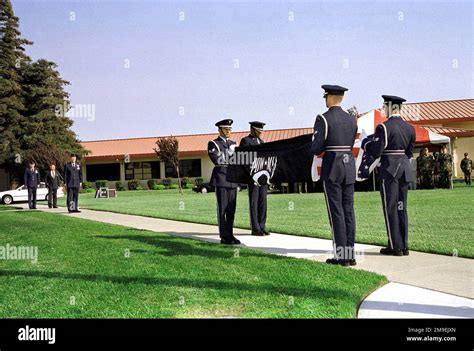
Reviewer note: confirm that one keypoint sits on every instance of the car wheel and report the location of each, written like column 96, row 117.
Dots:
column 7, row 200
column 203, row 190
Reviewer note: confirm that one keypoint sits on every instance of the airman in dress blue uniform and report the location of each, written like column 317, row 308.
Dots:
column 394, row 141
column 257, row 193
column 219, row 151
column 334, row 134
column 73, row 182
column 32, row 179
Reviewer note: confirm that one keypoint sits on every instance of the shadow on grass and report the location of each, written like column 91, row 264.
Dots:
column 175, row 246
column 314, row 292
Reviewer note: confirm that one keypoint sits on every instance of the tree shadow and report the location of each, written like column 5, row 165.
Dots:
column 313, row 292
column 175, row 246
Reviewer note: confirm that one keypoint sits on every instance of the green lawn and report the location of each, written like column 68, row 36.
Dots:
column 440, row 220
column 85, row 262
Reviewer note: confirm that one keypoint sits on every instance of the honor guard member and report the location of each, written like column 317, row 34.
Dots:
column 395, row 141
column 73, row 180
column 219, row 151
column 32, row 179
column 334, row 134
column 257, row 193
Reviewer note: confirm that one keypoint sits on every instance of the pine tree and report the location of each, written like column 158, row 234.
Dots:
column 45, row 125
column 33, row 104
column 11, row 105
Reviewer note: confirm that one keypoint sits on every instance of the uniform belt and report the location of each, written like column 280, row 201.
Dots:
column 393, row 152
column 338, row 148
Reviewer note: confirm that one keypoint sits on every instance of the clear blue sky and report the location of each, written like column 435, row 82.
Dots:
column 419, row 50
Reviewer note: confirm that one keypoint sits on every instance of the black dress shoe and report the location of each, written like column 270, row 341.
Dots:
column 227, row 241
column 332, row 261
column 55, row 206
column 406, row 252
column 391, row 252
column 265, row 232
column 345, row 263
column 76, row 211
column 236, row 241
column 257, row 233
column 353, row 262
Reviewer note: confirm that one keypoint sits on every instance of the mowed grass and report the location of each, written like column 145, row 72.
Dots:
column 83, row 271
column 440, row 221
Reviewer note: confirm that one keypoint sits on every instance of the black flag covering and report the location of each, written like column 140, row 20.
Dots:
column 287, row 160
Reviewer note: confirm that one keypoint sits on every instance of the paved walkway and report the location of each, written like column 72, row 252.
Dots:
column 422, row 285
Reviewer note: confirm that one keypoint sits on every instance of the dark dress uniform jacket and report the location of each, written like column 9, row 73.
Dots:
column 73, row 175
column 52, row 182
column 31, row 178
column 333, row 130
column 219, row 150
column 395, row 141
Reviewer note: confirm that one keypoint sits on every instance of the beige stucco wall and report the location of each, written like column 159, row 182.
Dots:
column 460, row 146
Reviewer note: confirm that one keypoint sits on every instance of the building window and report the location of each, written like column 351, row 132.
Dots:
column 142, row 170
column 187, row 168
column 107, row 171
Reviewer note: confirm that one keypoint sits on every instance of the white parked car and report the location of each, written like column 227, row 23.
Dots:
column 21, row 194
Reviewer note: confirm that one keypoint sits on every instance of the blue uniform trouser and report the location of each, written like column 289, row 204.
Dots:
column 340, row 204
column 258, row 206
column 394, row 202
column 226, row 205
column 32, row 197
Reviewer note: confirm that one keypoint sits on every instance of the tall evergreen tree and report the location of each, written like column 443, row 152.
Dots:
column 33, row 104
column 45, row 124
column 11, row 105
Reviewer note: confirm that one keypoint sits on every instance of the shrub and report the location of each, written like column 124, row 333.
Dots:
column 151, row 183
column 198, row 181
column 189, row 186
column 119, row 186
column 185, row 181
column 133, row 184
column 101, row 184
column 173, row 186
column 90, row 190
column 87, row 185
column 139, row 188
column 167, row 181
column 159, row 187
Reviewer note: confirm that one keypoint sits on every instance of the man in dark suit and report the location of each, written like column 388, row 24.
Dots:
column 32, row 179
column 73, row 181
column 394, row 141
column 334, row 134
column 257, row 193
column 52, row 183
column 219, row 151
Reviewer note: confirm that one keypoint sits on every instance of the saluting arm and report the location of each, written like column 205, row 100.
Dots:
column 319, row 136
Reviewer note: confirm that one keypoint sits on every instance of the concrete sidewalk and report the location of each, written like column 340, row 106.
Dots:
column 430, row 272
